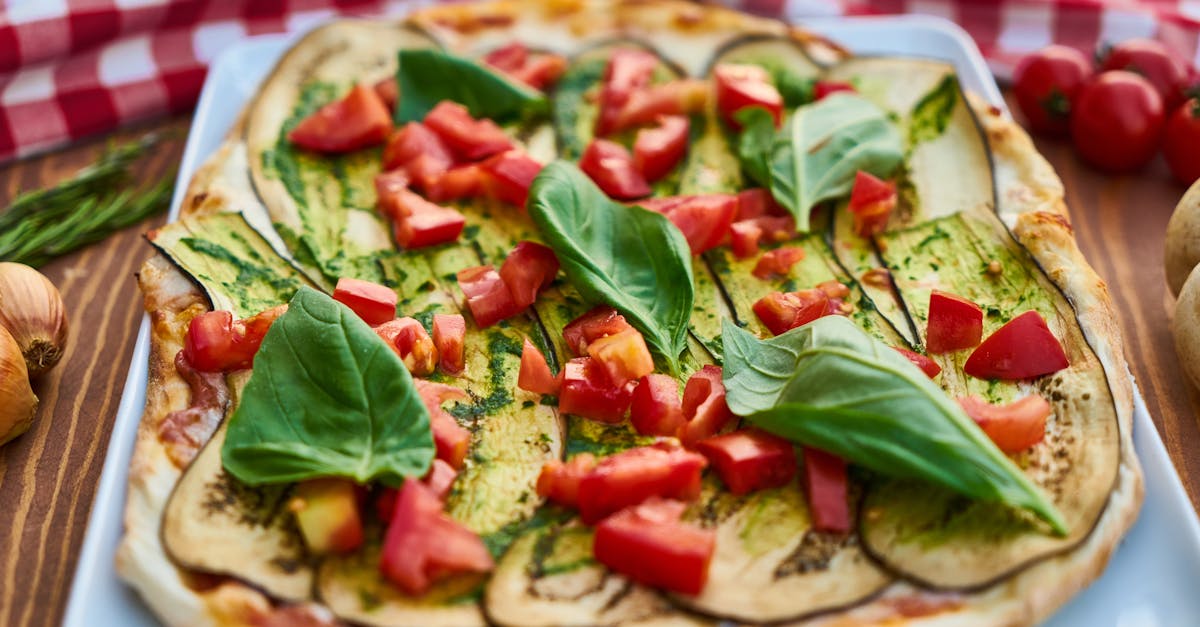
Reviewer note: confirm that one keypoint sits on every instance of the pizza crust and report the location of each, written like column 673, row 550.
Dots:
column 1030, row 203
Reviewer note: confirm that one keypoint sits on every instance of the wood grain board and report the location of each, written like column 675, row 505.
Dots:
column 48, row 477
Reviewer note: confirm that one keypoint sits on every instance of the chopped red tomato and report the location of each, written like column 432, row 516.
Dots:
column 704, row 405
column 559, row 482
column 871, row 202
column 411, row 343
column 535, row 375
column 508, row 58
column 598, row 322
column 628, row 70
column 469, row 138
column 778, row 262
column 541, row 70
column 1013, row 427
column 757, row 202
column 327, row 513
column 412, row 142
column 587, row 392
column 449, row 438
column 388, row 91
column 528, row 269
column 743, row 86
column 783, row 311
column 824, row 88
column 630, row 477
column 510, row 174
column 440, row 478
column 610, row 165
column 656, row 151
column 656, row 409
column 464, row 181
column 487, row 295
column 449, row 336
column 624, row 356
column 423, row 544
column 744, row 236
column 1023, row 348
column 358, row 120
column 416, row 222
column 825, row 483
column 927, row 365
column 215, row 342
column 834, row 289
column 954, row 323
column 678, row 97
column 649, row 544
column 374, row 303
column 704, row 220
column 749, row 459
column 250, row 331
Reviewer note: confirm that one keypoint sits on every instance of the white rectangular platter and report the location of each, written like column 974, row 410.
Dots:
column 1150, row 582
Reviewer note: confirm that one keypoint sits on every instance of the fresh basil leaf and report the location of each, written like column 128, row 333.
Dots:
column 829, row 385
column 931, row 114
column 627, row 257
column 426, row 77
column 327, row 398
column 816, row 154
column 756, row 143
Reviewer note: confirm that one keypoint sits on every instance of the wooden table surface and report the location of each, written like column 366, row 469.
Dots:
column 48, row 477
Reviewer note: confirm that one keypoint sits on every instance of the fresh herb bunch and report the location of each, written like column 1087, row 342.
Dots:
column 98, row 201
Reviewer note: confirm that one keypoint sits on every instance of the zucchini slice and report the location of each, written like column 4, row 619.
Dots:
column 946, row 541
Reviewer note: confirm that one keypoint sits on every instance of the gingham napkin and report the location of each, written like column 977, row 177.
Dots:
column 73, row 68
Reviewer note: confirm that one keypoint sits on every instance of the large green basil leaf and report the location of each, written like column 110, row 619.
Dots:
column 628, row 257
column 816, row 154
column 326, row 398
column 829, row 385
column 426, row 77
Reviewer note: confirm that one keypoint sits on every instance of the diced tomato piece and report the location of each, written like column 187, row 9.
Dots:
column 358, row 120
column 507, row 58
column 535, row 375
column 487, row 295
column 411, row 343
column 781, row 312
column 440, row 478
column 742, row 86
column 415, row 140
column 757, row 202
column 630, row 477
column 528, row 269
column 1023, row 348
column 834, row 289
column 210, row 344
column 704, row 405
column 374, row 303
column 825, row 483
column 824, row 88
column 744, row 237
column 649, row 544
column 469, row 138
column 559, row 482
column 776, row 228
column 927, row 365
column 587, row 392
column 749, row 459
column 656, row 409
column 388, row 91
column 871, row 202
column 449, row 438
column 327, row 514
column 656, row 151
column 954, row 323
column 1013, row 427
column 464, row 181
column 423, row 544
column 662, row 204
column 510, row 174
column 599, row 321
column 541, row 70
column 449, row 336
column 624, row 356
column 611, row 166
column 416, row 221
column 778, row 262
column 628, row 70
column 675, row 98
column 705, row 219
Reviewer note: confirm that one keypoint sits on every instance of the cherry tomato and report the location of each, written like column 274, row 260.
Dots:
column 1166, row 72
column 1181, row 142
column 1046, row 83
column 1117, row 121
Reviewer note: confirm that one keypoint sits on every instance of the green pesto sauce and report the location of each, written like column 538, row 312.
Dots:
column 501, row 348
column 931, row 114
column 498, row 541
column 601, row 440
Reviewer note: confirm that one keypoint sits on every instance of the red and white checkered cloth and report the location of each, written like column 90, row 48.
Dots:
column 74, row 68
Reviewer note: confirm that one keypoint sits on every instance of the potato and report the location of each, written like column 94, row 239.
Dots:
column 1182, row 248
column 1187, row 326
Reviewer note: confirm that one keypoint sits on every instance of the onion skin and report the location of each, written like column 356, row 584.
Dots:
column 17, row 402
column 32, row 310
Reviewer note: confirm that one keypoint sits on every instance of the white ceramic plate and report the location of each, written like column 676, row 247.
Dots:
column 1150, row 582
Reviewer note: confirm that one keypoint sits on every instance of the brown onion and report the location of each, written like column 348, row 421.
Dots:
column 17, row 402
column 32, row 310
